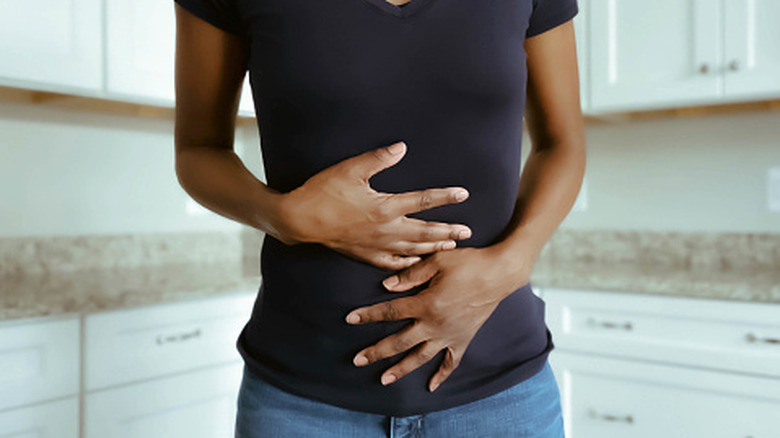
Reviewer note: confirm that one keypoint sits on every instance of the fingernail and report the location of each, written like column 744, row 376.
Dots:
column 461, row 195
column 391, row 281
column 464, row 234
column 360, row 360
column 353, row 318
column 448, row 245
column 396, row 148
column 388, row 379
column 432, row 387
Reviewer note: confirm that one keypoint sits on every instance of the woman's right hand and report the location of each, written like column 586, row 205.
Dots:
column 338, row 208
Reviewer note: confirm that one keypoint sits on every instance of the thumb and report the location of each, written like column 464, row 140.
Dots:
column 372, row 162
column 412, row 276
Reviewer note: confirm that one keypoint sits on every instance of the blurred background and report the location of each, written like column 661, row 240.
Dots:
column 121, row 298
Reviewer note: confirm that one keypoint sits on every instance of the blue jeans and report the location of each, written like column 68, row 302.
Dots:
column 530, row 409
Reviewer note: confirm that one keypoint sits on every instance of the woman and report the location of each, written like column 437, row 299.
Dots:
column 400, row 236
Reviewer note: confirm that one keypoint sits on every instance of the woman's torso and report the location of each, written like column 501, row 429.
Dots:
column 335, row 78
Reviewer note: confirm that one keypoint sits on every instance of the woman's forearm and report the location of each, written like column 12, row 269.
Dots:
column 217, row 179
column 549, row 184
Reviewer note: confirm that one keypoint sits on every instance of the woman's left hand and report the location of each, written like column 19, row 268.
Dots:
column 466, row 285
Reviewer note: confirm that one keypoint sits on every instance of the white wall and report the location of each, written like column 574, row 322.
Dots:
column 69, row 172
column 66, row 172
column 704, row 173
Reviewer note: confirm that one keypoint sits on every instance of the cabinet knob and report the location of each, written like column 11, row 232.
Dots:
column 704, row 68
column 628, row 419
column 627, row 326
column 177, row 337
column 752, row 338
column 734, row 65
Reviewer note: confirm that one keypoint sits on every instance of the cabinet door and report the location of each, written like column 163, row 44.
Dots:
column 581, row 35
column 752, row 54
column 39, row 360
column 52, row 45
column 140, row 50
column 652, row 54
column 59, row 419
column 609, row 398
column 246, row 106
column 199, row 404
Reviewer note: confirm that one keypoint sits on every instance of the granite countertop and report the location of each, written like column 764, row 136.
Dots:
column 83, row 291
column 743, row 284
column 101, row 289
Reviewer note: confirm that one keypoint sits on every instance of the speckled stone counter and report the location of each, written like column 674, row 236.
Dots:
column 52, row 276
column 92, row 290
column 759, row 285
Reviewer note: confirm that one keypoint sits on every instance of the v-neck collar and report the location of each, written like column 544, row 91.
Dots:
column 401, row 12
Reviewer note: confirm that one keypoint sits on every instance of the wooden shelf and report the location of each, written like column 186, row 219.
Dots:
column 93, row 104
column 58, row 100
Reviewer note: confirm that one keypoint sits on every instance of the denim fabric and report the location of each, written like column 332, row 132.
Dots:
column 530, row 409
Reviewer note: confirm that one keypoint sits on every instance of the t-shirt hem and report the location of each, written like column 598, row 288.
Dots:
column 524, row 371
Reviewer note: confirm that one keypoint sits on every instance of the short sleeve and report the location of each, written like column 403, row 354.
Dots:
column 547, row 14
column 222, row 14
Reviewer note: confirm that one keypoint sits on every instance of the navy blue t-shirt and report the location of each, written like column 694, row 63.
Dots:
column 335, row 78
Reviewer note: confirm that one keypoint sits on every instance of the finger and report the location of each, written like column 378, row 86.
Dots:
column 419, row 248
column 411, row 277
column 413, row 202
column 422, row 354
column 369, row 163
column 393, row 261
column 418, row 230
column 393, row 310
column 389, row 346
column 449, row 364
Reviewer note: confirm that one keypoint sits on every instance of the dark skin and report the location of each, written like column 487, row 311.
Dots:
column 464, row 285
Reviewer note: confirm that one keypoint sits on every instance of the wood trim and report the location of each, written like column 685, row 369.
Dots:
column 81, row 103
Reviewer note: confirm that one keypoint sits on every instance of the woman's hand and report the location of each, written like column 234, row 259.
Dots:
column 338, row 208
column 466, row 285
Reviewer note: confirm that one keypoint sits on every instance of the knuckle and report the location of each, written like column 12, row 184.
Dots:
column 390, row 312
column 427, row 233
column 426, row 200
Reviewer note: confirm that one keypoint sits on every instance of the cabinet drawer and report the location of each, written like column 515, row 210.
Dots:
column 39, row 360
column 58, row 419
column 612, row 398
column 200, row 404
column 137, row 344
column 728, row 335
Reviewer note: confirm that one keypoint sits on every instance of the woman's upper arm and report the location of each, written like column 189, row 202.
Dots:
column 553, row 111
column 210, row 65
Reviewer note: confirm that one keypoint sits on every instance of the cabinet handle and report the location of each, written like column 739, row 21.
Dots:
column 177, row 337
column 734, row 65
column 628, row 419
column 610, row 325
column 750, row 337
column 704, row 68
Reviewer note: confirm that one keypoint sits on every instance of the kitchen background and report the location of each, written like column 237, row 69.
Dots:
column 662, row 285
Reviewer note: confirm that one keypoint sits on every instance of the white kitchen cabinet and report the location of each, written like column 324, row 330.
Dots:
column 56, row 419
column 752, row 53
column 611, row 398
column 651, row 54
column 133, row 345
column 140, row 50
column 141, row 44
column 581, row 35
column 53, row 45
column 650, row 366
column 39, row 360
column 199, row 404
